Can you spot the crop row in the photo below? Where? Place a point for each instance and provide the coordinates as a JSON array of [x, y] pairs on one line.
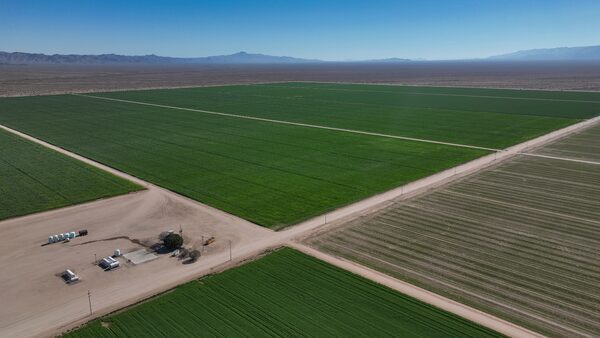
[[584, 145], [283, 294], [271, 174], [482, 120], [34, 179], [515, 241]]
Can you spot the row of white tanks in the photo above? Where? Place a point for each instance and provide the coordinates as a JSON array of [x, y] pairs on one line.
[[61, 237]]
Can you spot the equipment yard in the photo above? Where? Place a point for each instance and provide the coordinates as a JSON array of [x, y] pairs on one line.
[[519, 240], [129, 223]]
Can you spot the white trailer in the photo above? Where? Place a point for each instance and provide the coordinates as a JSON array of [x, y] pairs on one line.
[[109, 263]]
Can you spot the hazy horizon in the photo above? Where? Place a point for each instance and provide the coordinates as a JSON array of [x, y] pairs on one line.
[[330, 31]]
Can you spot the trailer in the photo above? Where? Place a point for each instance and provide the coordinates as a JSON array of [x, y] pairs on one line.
[[109, 263]]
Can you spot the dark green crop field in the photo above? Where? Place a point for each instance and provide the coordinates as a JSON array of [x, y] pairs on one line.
[[33, 178], [284, 294], [278, 174], [271, 174], [480, 117]]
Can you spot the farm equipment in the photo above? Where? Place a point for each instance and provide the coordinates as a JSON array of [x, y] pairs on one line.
[[209, 241]]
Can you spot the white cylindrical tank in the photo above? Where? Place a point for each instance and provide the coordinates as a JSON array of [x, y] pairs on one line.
[[117, 252], [56, 238], [72, 234], [61, 237], [50, 239]]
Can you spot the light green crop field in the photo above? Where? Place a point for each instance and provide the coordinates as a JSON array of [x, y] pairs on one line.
[[34, 178], [278, 174], [283, 294]]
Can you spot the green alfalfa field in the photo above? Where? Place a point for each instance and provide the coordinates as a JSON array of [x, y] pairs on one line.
[[34, 178], [286, 293], [276, 174]]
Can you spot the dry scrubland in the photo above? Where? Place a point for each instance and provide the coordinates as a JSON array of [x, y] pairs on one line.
[[33, 179], [519, 240], [276, 174], [55, 79], [283, 294]]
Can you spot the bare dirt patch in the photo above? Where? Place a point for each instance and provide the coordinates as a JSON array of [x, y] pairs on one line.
[[35, 300]]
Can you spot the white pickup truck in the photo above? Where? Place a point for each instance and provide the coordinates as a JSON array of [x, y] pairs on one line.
[[70, 277]]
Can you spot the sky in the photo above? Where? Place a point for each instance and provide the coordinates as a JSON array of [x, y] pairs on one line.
[[327, 30]]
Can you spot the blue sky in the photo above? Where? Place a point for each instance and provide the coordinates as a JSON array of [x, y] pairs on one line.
[[330, 30]]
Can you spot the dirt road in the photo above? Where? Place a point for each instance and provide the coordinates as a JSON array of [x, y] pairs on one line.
[[120, 222], [462, 310], [298, 124], [141, 216]]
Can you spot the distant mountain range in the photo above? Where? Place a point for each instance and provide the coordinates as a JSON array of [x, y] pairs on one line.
[[590, 53], [237, 58]]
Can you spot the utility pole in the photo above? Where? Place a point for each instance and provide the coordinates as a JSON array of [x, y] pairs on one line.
[[230, 250], [202, 247], [90, 301], [95, 259]]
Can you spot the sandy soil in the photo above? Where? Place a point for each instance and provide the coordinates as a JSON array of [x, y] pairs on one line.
[[37, 302], [18, 80]]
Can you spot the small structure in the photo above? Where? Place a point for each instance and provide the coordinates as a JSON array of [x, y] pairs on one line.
[[83, 232], [109, 263], [140, 256], [69, 276], [117, 253]]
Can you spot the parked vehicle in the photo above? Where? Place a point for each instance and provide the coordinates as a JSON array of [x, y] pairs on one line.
[[70, 277]]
